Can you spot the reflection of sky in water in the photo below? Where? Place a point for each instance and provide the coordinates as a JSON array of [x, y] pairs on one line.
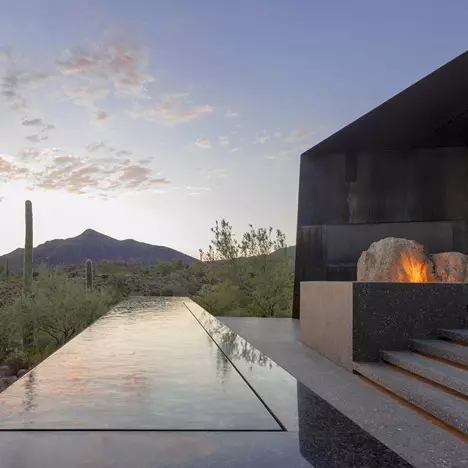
[[272, 383], [142, 367]]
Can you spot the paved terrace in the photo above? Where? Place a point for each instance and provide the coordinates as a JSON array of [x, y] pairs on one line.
[[159, 382]]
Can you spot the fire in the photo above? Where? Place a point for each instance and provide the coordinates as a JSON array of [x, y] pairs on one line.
[[414, 270]]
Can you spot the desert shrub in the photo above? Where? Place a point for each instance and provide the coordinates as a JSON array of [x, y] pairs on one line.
[[256, 273], [17, 360], [57, 309]]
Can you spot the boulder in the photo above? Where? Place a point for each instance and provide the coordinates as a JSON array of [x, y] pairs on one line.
[[5, 371], [21, 372], [451, 267], [5, 382], [385, 261]]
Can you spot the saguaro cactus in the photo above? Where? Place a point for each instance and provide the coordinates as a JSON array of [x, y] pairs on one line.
[[28, 249], [7, 270], [89, 274]]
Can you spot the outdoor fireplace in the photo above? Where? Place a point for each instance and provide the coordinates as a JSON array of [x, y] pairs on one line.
[[399, 171]]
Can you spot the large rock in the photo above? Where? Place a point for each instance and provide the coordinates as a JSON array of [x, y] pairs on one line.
[[21, 372], [451, 267], [5, 371], [5, 382], [384, 261]]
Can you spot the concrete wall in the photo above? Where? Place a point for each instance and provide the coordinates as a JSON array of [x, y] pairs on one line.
[[355, 321], [327, 320]]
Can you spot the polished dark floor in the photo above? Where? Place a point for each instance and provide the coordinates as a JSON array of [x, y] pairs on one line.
[[162, 383]]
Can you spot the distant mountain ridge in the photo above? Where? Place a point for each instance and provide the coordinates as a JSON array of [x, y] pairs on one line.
[[98, 247]]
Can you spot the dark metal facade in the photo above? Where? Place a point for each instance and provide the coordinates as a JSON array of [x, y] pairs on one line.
[[401, 170]]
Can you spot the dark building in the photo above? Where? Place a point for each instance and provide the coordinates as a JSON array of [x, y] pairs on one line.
[[400, 170]]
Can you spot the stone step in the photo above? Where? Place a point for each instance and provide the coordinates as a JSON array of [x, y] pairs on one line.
[[439, 372], [442, 405], [458, 335], [442, 349]]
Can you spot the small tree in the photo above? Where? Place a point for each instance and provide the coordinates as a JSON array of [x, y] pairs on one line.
[[259, 268]]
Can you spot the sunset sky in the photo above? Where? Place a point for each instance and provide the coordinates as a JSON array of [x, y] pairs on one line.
[[153, 119]]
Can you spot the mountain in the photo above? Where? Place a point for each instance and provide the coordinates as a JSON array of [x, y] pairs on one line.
[[98, 247]]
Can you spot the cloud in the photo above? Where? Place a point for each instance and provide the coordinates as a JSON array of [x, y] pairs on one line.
[[99, 145], [118, 66], [104, 147], [196, 190], [6, 52], [231, 115], [281, 153], [171, 97], [202, 143], [36, 138], [84, 95], [101, 115], [171, 112], [211, 173], [234, 150], [224, 141], [32, 122], [262, 139], [135, 176], [9, 170], [278, 134], [35, 154], [15, 82], [299, 134], [87, 175]]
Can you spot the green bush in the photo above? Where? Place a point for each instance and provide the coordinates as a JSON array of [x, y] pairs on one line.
[[57, 309]]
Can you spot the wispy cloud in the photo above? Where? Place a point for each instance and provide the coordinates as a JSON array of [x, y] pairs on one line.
[[234, 150], [32, 122], [202, 143], [286, 152], [197, 190], [50, 169], [137, 176], [299, 134], [36, 138], [261, 139], [10, 170], [14, 83], [231, 115], [224, 141], [101, 115], [99, 145], [40, 126], [173, 109], [103, 147], [120, 66], [210, 173]]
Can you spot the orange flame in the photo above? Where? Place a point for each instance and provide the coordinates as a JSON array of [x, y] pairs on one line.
[[413, 270]]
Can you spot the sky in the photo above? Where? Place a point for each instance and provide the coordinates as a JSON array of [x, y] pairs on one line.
[[153, 119]]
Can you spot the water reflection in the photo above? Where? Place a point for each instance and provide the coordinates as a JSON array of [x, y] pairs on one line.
[[275, 386], [29, 382], [145, 365]]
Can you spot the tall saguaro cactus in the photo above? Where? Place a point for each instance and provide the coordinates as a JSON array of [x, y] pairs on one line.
[[28, 249], [89, 274]]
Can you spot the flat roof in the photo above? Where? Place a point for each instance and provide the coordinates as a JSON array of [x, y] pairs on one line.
[[433, 112]]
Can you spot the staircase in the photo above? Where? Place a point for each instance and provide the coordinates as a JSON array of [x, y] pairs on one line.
[[433, 376]]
